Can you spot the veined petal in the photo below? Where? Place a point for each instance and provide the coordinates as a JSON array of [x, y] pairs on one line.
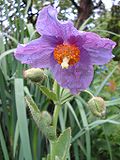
[[91, 49], [37, 53], [76, 78], [48, 24], [79, 41], [99, 49]]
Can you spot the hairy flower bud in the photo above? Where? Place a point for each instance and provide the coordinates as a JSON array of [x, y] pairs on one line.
[[47, 117], [35, 74], [97, 106]]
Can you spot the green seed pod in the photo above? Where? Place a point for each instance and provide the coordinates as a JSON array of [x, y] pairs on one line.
[[97, 106], [35, 75]]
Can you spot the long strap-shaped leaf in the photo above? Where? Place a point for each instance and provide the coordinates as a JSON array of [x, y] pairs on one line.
[[3, 145], [22, 119]]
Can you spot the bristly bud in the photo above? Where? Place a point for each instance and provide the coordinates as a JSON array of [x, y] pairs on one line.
[[42, 119], [97, 106], [35, 75], [47, 117]]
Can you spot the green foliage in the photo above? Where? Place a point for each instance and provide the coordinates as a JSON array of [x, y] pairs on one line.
[[42, 119], [4, 148], [60, 147], [92, 138], [22, 119], [51, 95]]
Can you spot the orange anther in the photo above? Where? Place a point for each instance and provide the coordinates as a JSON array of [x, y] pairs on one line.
[[71, 52]]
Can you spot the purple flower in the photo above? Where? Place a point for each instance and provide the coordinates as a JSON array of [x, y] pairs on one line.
[[69, 53]]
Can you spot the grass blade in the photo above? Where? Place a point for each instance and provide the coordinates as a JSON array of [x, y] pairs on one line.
[[74, 114], [104, 82], [22, 119], [86, 126], [6, 53], [16, 137], [3, 145]]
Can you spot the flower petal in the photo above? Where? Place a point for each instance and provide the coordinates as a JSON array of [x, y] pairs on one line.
[[76, 78], [79, 41], [99, 49], [37, 53], [48, 24]]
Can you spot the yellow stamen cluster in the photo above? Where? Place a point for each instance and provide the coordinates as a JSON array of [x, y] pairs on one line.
[[66, 55]]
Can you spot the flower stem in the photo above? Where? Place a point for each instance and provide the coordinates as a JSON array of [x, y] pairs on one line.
[[89, 93], [56, 88], [55, 115], [55, 120]]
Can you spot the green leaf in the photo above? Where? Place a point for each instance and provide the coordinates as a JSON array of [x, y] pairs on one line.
[[93, 125], [48, 157], [105, 81], [74, 114], [61, 146], [86, 126], [6, 53], [113, 102], [28, 6], [2, 47], [85, 23], [66, 96], [106, 31], [3, 145], [30, 28], [42, 119], [32, 105], [10, 37], [22, 119], [51, 95], [16, 137], [3, 63]]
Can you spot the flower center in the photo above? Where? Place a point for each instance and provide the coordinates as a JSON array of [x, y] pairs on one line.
[[66, 55]]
